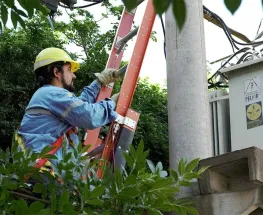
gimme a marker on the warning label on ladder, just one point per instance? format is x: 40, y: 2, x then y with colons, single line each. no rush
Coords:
x: 252, y: 90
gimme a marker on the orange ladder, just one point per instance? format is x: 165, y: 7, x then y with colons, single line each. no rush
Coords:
x: 121, y: 132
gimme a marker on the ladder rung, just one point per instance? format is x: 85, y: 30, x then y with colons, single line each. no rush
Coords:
x: 97, y: 150
x: 122, y: 42
x: 121, y: 71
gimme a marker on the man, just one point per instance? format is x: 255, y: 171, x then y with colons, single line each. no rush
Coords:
x: 54, y: 109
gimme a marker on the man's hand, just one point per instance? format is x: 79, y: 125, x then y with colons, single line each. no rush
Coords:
x: 107, y: 76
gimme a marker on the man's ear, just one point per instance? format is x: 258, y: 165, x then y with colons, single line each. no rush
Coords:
x: 57, y: 74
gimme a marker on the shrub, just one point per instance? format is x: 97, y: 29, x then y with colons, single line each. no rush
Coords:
x: 140, y: 186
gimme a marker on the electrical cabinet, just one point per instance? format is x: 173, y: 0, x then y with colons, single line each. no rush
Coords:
x: 245, y: 99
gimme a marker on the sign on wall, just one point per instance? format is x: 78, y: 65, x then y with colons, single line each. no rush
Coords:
x: 253, y: 103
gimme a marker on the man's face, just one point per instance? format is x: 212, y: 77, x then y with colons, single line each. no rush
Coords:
x: 67, y: 78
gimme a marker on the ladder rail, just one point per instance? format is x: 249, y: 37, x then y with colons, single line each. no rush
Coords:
x: 130, y: 80
x: 91, y: 136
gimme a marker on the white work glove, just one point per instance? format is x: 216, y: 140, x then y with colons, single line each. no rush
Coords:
x: 107, y: 76
x: 115, y: 97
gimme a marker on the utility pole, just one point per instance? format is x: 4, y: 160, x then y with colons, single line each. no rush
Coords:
x: 188, y: 107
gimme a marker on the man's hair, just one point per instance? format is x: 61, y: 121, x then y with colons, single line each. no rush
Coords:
x: 45, y: 74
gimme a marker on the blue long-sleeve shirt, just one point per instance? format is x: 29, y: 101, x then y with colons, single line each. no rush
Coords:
x: 52, y: 111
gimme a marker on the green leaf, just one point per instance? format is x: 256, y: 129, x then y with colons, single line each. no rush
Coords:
x: 46, y: 150
x: 14, y: 18
x: 185, y: 183
x: 67, y: 157
x: 232, y: 5
x: 97, y: 192
x: 38, y: 188
x: 10, y: 3
x: 64, y: 199
x: 130, y: 180
x: 4, y: 170
x: 128, y: 159
x: 20, y: 12
x: 4, y: 194
x: 159, y: 166
x: 192, y: 165
x: 202, y: 169
x: 153, y: 211
x: 21, y: 22
x: 190, y: 176
x: 161, y: 6
x: 50, y: 156
x: 164, y: 206
x: 22, y: 206
x: 4, y: 14
x: 130, y: 4
x: 84, y: 149
x: 95, y: 202
x: 79, y: 148
x: 132, y: 152
x: 140, y: 148
x: 86, y: 192
x: 18, y: 155
x: 162, y: 183
x: 118, y: 178
x: 36, y: 207
x: 179, y: 10
x: 181, y: 167
x: 53, y: 202
x: 1, y: 27
x: 11, y: 186
x: 163, y: 173
x: 34, y: 157
x: 43, y: 212
x: 129, y: 191
x: 151, y: 166
x: 28, y: 6
x: 191, y: 210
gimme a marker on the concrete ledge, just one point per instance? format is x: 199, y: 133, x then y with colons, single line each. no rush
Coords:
x: 234, y: 171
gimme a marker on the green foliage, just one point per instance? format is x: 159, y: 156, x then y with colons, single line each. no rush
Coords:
x: 17, y: 15
x: 232, y: 5
x: 140, y: 187
x: 151, y: 101
x: 84, y: 32
x: 18, y: 49
x: 179, y: 10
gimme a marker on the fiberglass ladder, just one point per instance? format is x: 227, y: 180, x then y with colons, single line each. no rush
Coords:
x: 121, y: 132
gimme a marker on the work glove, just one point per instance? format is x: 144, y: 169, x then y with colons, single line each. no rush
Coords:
x: 115, y: 97
x: 107, y: 76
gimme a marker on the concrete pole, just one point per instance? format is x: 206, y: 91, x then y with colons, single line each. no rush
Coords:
x: 188, y: 107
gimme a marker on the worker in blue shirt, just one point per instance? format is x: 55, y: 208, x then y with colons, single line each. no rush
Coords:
x: 54, y: 109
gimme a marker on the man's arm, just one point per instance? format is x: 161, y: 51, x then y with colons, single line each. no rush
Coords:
x: 82, y: 114
x: 90, y: 93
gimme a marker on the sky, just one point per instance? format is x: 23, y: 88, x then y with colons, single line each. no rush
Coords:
x: 246, y: 21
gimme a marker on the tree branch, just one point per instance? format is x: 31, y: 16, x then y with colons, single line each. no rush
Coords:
x: 29, y: 197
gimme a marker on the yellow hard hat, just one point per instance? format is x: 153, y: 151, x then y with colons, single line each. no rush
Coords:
x: 51, y: 55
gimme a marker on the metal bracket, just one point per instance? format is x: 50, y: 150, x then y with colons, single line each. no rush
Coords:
x: 126, y: 121
x: 117, y: 43
x: 129, y: 122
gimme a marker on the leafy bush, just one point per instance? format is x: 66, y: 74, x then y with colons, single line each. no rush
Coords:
x: 139, y: 187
